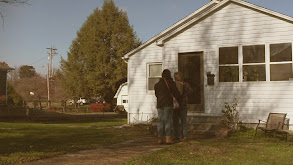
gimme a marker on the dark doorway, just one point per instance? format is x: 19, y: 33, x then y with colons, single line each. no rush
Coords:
x: 191, y: 67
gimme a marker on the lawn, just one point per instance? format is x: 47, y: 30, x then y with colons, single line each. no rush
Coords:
x: 240, y: 149
x: 27, y: 141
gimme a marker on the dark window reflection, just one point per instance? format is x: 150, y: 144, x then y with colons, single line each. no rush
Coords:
x: 228, y: 55
x: 281, y: 72
x: 281, y: 52
x: 254, y: 54
x: 229, y: 73
x: 254, y: 73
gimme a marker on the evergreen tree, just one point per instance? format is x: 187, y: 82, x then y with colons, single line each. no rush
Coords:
x: 94, y: 65
x: 26, y: 71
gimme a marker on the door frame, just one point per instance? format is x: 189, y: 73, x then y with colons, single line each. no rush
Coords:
x: 201, y: 55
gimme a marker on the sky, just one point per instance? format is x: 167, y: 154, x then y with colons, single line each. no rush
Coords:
x: 29, y: 29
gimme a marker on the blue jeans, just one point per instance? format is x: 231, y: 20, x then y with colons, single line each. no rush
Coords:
x: 180, y: 114
x: 164, y: 120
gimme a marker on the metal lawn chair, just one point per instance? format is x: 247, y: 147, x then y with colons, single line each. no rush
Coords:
x: 283, y: 128
x: 272, y: 123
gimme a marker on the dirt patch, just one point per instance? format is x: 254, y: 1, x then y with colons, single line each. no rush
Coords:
x: 115, y: 154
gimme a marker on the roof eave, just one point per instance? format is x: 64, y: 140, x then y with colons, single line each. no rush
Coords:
x: 179, y: 23
x: 167, y: 33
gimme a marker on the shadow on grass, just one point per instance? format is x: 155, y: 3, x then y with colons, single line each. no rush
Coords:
x: 31, y: 141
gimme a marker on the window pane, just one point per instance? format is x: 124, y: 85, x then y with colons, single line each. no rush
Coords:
x: 229, y: 74
x: 229, y: 55
x: 254, y: 54
x: 281, y: 72
x: 281, y: 52
x: 152, y: 82
x: 155, y: 70
x: 254, y: 73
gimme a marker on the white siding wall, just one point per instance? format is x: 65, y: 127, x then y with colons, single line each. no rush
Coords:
x: 142, y: 104
x: 235, y: 25
x: 123, y: 92
x: 231, y: 26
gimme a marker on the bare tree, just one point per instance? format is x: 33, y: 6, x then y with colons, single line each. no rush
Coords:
x: 32, y: 89
x: 11, y: 2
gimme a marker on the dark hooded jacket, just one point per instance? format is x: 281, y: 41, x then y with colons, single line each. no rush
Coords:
x: 164, y: 97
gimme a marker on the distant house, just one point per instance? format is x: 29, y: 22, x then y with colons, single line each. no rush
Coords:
x: 226, y: 49
x: 122, y: 96
x: 3, y: 84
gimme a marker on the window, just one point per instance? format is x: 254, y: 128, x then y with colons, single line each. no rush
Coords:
x: 125, y: 101
x: 154, y: 74
x: 281, y: 52
x: 254, y: 67
x: 228, y: 67
x: 280, y: 61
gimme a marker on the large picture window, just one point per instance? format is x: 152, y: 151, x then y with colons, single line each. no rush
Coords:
x: 256, y: 63
x: 154, y: 74
x: 228, y: 67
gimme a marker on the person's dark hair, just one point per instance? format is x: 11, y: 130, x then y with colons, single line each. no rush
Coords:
x: 166, y: 73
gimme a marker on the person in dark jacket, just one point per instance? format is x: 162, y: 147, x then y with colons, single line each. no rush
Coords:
x: 165, y: 105
x: 181, y: 114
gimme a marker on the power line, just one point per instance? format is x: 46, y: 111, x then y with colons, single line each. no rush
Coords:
x: 38, y: 60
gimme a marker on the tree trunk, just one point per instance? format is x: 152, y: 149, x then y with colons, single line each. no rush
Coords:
x: 40, y: 104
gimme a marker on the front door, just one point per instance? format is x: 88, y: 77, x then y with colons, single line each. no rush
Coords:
x: 191, y: 67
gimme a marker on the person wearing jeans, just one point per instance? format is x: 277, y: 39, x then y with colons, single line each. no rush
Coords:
x: 165, y: 105
x: 181, y: 114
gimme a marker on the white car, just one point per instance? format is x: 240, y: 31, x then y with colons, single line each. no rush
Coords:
x: 82, y: 101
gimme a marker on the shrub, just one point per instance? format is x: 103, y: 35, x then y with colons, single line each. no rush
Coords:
x: 100, y: 107
x: 13, y: 97
x: 231, y: 115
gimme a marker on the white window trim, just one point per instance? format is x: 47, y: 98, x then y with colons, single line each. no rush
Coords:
x: 251, y: 64
x: 267, y: 62
x: 282, y: 62
x: 151, y: 92
x: 219, y: 65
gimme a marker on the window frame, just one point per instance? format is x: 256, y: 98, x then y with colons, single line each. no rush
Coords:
x: 219, y: 65
x: 253, y: 64
x: 267, y: 62
x: 148, y: 75
x: 282, y: 62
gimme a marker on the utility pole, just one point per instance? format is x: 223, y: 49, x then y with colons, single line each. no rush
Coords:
x: 48, y: 87
x: 51, y: 53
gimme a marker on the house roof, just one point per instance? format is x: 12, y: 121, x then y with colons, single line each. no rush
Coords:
x: 119, y: 89
x: 198, y: 15
x: 5, y: 68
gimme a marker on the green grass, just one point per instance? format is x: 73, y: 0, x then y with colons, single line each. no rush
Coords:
x: 238, y: 149
x: 22, y: 142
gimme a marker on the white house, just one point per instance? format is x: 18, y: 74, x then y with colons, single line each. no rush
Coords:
x: 122, y: 96
x: 246, y: 47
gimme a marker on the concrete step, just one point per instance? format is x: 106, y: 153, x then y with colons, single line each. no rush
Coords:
x: 204, y: 119
x: 202, y: 126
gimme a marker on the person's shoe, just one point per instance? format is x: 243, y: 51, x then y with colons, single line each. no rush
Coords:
x: 161, y: 140
x: 184, y: 139
x: 169, y: 140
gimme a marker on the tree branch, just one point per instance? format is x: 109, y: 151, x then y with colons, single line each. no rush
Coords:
x: 2, y: 17
x: 11, y: 2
